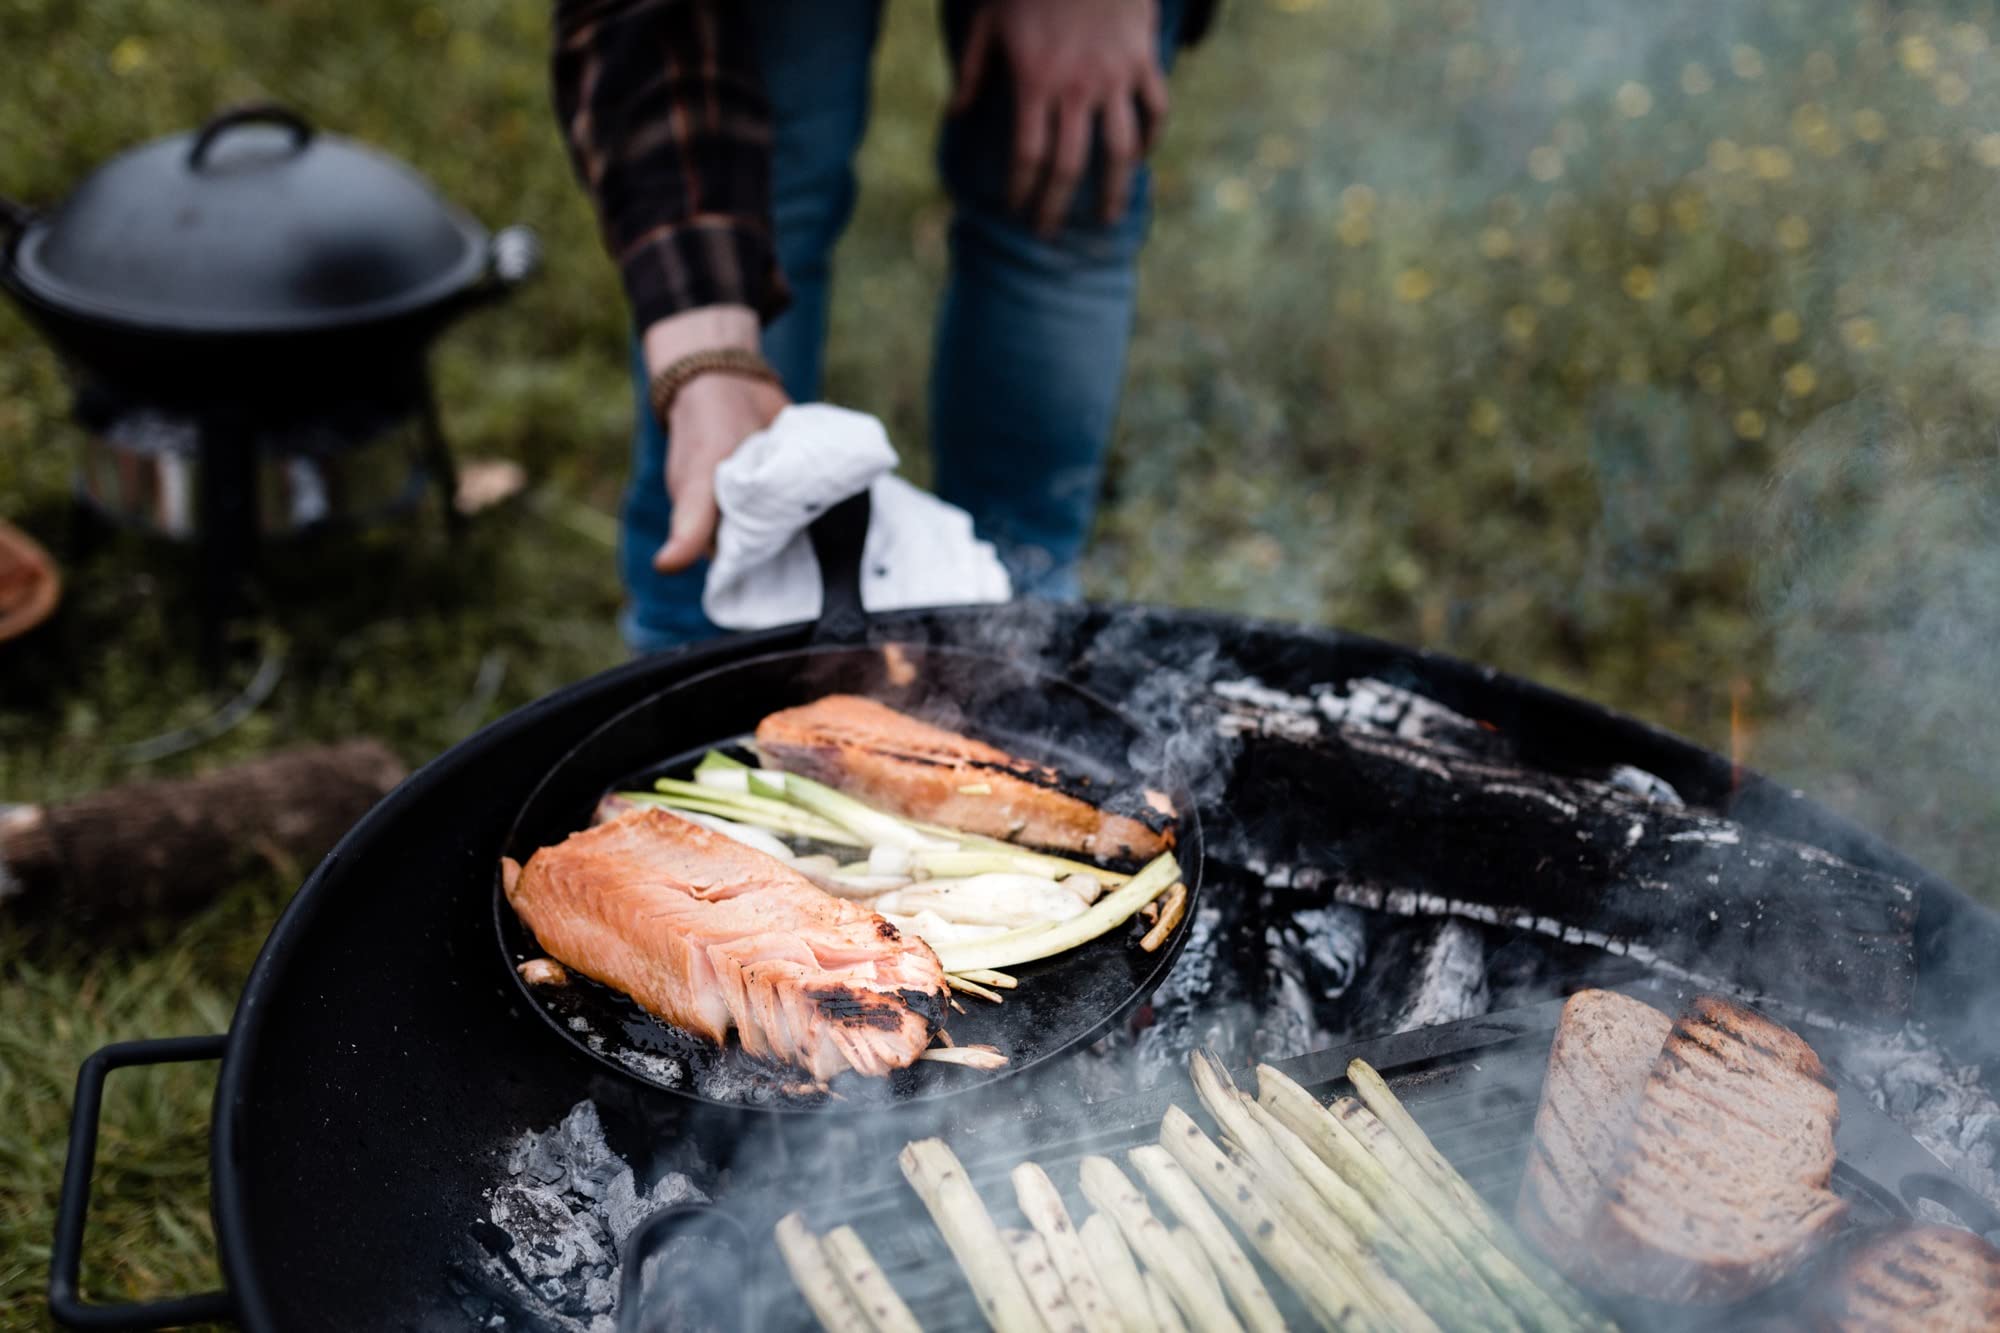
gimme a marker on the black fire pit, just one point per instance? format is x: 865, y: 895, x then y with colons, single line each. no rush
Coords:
x: 390, y: 1114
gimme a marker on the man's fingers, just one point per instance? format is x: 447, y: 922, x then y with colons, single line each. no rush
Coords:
x: 1031, y: 145
x: 1121, y: 155
x: 972, y: 62
x: 694, y: 527
x: 1066, y: 163
x: 1153, y: 97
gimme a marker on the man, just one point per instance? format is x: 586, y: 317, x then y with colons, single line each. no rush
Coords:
x: 717, y: 139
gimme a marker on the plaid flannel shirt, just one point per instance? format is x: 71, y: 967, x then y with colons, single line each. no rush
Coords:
x: 669, y: 129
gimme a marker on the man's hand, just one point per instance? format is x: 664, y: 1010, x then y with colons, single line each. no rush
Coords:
x: 710, y: 417
x: 1075, y: 64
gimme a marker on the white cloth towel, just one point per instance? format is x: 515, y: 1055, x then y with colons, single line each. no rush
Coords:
x: 920, y: 551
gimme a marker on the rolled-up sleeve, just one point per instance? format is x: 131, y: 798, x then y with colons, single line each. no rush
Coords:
x: 669, y: 130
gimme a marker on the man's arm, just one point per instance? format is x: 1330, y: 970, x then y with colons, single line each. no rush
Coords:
x: 669, y: 129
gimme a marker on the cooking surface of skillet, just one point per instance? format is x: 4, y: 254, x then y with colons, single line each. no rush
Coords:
x: 1061, y: 1003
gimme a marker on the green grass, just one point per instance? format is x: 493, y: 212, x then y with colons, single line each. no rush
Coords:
x: 1536, y: 339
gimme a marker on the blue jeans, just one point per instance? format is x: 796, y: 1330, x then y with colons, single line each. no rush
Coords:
x: 1031, y: 333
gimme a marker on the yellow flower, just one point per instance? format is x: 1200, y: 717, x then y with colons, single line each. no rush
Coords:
x: 1695, y: 79
x: 1793, y: 233
x: 1749, y: 424
x: 1641, y: 284
x: 1747, y: 61
x: 1801, y: 380
x: 1987, y: 149
x: 1643, y: 219
x: 1496, y: 242
x: 1484, y: 419
x: 1968, y: 37
x: 1770, y: 163
x: 1545, y: 163
x: 1710, y: 375
x: 1917, y: 54
x: 1354, y: 230
x: 1232, y: 194
x: 1724, y: 155
x: 1633, y: 100
x: 1859, y: 332
x: 1414, y: 285
x: 1785, y: 328
x: 1952, y: 89
x: 1277, y: 152
x: 1870, y: 126
x: 1686, y: 206
x: 1358, y: 199
x: 1701, y: 319
x: 129, y: 56
x: 1519, y: 323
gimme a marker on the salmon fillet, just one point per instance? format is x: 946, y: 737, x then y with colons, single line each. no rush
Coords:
x: 897, y: 763
x: 714, y: 937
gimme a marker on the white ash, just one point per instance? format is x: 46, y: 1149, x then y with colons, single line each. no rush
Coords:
x: 1945, y: 1106
x: 1646, y: 786
x: 566, y: 1206
x: 1451, y: 984
x: 1336, y: 938
x: 1289, y: 1025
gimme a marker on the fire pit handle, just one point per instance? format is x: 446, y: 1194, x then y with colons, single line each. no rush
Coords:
x: 66, y: 1255
x: 650, y: 1238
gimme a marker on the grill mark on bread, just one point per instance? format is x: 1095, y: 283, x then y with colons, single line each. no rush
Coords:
x: 1913, y: 1276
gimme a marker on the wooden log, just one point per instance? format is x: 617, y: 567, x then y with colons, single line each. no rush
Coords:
x: 171, y: 844
x: 1410, y: 826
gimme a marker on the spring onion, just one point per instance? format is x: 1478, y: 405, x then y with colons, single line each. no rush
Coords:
x: 1033, y: 942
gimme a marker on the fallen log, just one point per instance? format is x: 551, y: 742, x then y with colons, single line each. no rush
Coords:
x: 1412, y: 825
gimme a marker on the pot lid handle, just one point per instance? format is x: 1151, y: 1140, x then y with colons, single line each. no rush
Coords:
x: 255, y: 113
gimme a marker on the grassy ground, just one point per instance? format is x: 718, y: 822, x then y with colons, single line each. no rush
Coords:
x: 1650, y: 354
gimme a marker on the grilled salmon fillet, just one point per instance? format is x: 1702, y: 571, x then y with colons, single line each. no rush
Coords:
x: 895, y: 762
x: 1930, y: 1277
x: 713, y: 936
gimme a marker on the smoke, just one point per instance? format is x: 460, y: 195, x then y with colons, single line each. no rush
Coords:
x: 1879, y: 575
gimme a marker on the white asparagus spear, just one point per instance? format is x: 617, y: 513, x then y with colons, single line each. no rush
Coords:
x: 1165, y: 1314
x: 1041, y: 1203
x: 1329, y: 1291
x: 813, y: 1271
x: 1116, y: 1272
x: 933, y: 1170
x: 1197, y: 1258
x: 1044, y: 1283
x: 1165, y: 1178
x: 867, y: 1285
x: 1113, y: 1194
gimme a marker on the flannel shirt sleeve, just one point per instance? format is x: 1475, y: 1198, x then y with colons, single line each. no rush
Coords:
x: 669, y: 130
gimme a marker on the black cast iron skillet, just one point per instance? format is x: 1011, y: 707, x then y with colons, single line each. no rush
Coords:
x: 1061, y: 1002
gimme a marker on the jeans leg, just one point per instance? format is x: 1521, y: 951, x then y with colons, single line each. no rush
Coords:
x: 814, y: 56
x: 1031, y: 344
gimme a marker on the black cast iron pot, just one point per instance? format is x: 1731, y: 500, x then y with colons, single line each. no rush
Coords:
x: 381, y: 1060
x: 255, y: 258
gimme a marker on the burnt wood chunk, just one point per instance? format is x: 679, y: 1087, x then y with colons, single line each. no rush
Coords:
x: 1417, y: 827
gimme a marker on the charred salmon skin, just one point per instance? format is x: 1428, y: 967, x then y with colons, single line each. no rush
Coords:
x: 714, y: 937
x: 911, y: 768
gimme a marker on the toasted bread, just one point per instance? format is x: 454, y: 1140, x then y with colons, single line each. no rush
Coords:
x: 1604, y: 1050
x: 1935, y: 1278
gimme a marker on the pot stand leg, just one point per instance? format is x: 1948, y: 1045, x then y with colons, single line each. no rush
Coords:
x: 438, y: 461
x: 228, y: 536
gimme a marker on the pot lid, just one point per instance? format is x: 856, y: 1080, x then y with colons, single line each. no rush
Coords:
x: 254, y: 223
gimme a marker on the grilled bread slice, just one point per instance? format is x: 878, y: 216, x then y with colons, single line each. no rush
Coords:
x: 1604, y: 1050
x: 1721, y: 1185
x: 1929, y: 1277
x: 891, y: 760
